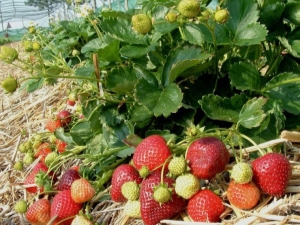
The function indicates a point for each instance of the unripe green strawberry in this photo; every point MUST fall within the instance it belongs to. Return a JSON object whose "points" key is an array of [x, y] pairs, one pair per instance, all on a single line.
{"points": [[28, 145], [36, 46], [28, 158], [241, 173], [187, 185], [9, 84], [144, 171], [221, 16], [31, 30], [130, 190], [21, 206], [50, 158], [171, 16], [162, 193], [52, 139], [22, 148], [133, 209], [27, 45], [141, 23], [75, 52], [189, 8], [177, 165], [8, 54], [18, 166]]}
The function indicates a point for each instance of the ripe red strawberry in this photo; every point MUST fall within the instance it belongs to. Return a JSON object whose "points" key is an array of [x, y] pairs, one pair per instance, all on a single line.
{"points": [[82, 191], [152, 211], [205, 206], [243, 196], [64, 207], [61, 145], [39, 212], [43, 150], [70, 102], [52, 125], [207, 156], [271, 173], [67, 179], [122, 174], [30, 179], [151, 153], [65, 117]]}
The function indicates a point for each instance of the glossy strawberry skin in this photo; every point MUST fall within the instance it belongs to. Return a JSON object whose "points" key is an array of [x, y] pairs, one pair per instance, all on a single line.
{"points": [[67, 179], [243, 196], [205, 206], [207, 157], [122, 174], [152, 152], [30, 179], [65, 117], [60, 145], [63, 207], [151, 211], [82, 191], [43, 150], [271, 173], [39, 212], [52, 125]]}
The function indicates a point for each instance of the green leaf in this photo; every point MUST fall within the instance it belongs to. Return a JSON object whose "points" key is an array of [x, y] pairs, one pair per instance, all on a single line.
{"points": [[110, 53], [34, 84], [193, 34], [271, 14], [92, 45], [224, 109], [136, 51], [179, 60], [252, 114], [244, 76], [163, 26], [284, 89], [65, 137]]}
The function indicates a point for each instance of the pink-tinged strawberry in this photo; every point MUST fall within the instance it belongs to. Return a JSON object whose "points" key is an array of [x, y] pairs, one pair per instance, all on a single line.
{"points": [[271, 173], [60, 145], [63, 206], [151, 153], [39, 212], [243, 196], [30, 179], [207, 157], [43, 150], [82, 190], [122, 174], [153, 212], [51, 125], [70, 102], [205, 206], [67, 179], [65, 117]]}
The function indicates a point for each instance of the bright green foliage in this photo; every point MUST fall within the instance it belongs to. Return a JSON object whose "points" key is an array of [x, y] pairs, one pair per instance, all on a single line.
{"points": [[292, 12]]}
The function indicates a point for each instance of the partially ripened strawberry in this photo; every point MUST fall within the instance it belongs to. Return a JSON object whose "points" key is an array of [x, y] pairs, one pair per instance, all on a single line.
{"points": [[205, 206], [243, 196], [65, 117], [30, 179], [63, 206], [82, 190], [60, 145], [151, 153], [122, 174], [52, 124], [43, 150], [271, 173], [152, 211], [67, 179], [207, 157], [39, 212]]}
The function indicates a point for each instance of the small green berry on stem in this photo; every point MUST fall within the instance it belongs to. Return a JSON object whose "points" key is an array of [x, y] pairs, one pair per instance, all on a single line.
{"points": [[130, 190], [221, 16], [241, 173], [9, 84], [141, 23], [189, 8], [187, 185], [132, 209], [21, 206], [162, 193], [19, 166], [8, 54], [144, 171], [177, 165]]}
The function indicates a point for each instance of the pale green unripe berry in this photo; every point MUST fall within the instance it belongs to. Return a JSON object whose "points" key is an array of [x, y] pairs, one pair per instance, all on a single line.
{"points": [[28, 159], [162, 194], [133, 209], [177, 166], [21, 206], [187, 185], [241, 173], [130, 190]]}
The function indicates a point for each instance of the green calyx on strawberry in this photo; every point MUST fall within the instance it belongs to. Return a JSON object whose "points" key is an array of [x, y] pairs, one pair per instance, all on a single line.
{"points": [[9, 84], [241, 173], [271, 173], [21, 206], [130, 190], [132, 209], [189, 8], [177, 165], [221, 16], [187, 185], [162, 193], [141, 23], [8, 54], [207, 156]]}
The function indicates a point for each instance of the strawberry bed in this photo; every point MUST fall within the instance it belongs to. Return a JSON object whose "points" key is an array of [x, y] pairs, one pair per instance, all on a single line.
{"points": [[173, 112]]}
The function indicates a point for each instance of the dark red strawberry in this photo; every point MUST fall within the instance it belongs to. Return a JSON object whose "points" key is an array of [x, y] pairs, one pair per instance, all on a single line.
{"points": [[30, 179], [271, 173], [122, 174], [153, 212], [207, 156], [61, 145], [151, 153], [39, 212], [67, 179], [64, 207], [43, 150], [65, 117]]}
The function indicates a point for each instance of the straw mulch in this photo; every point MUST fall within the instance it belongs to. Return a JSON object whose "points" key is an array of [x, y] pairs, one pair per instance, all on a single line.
{"points": [[24, 114]]}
